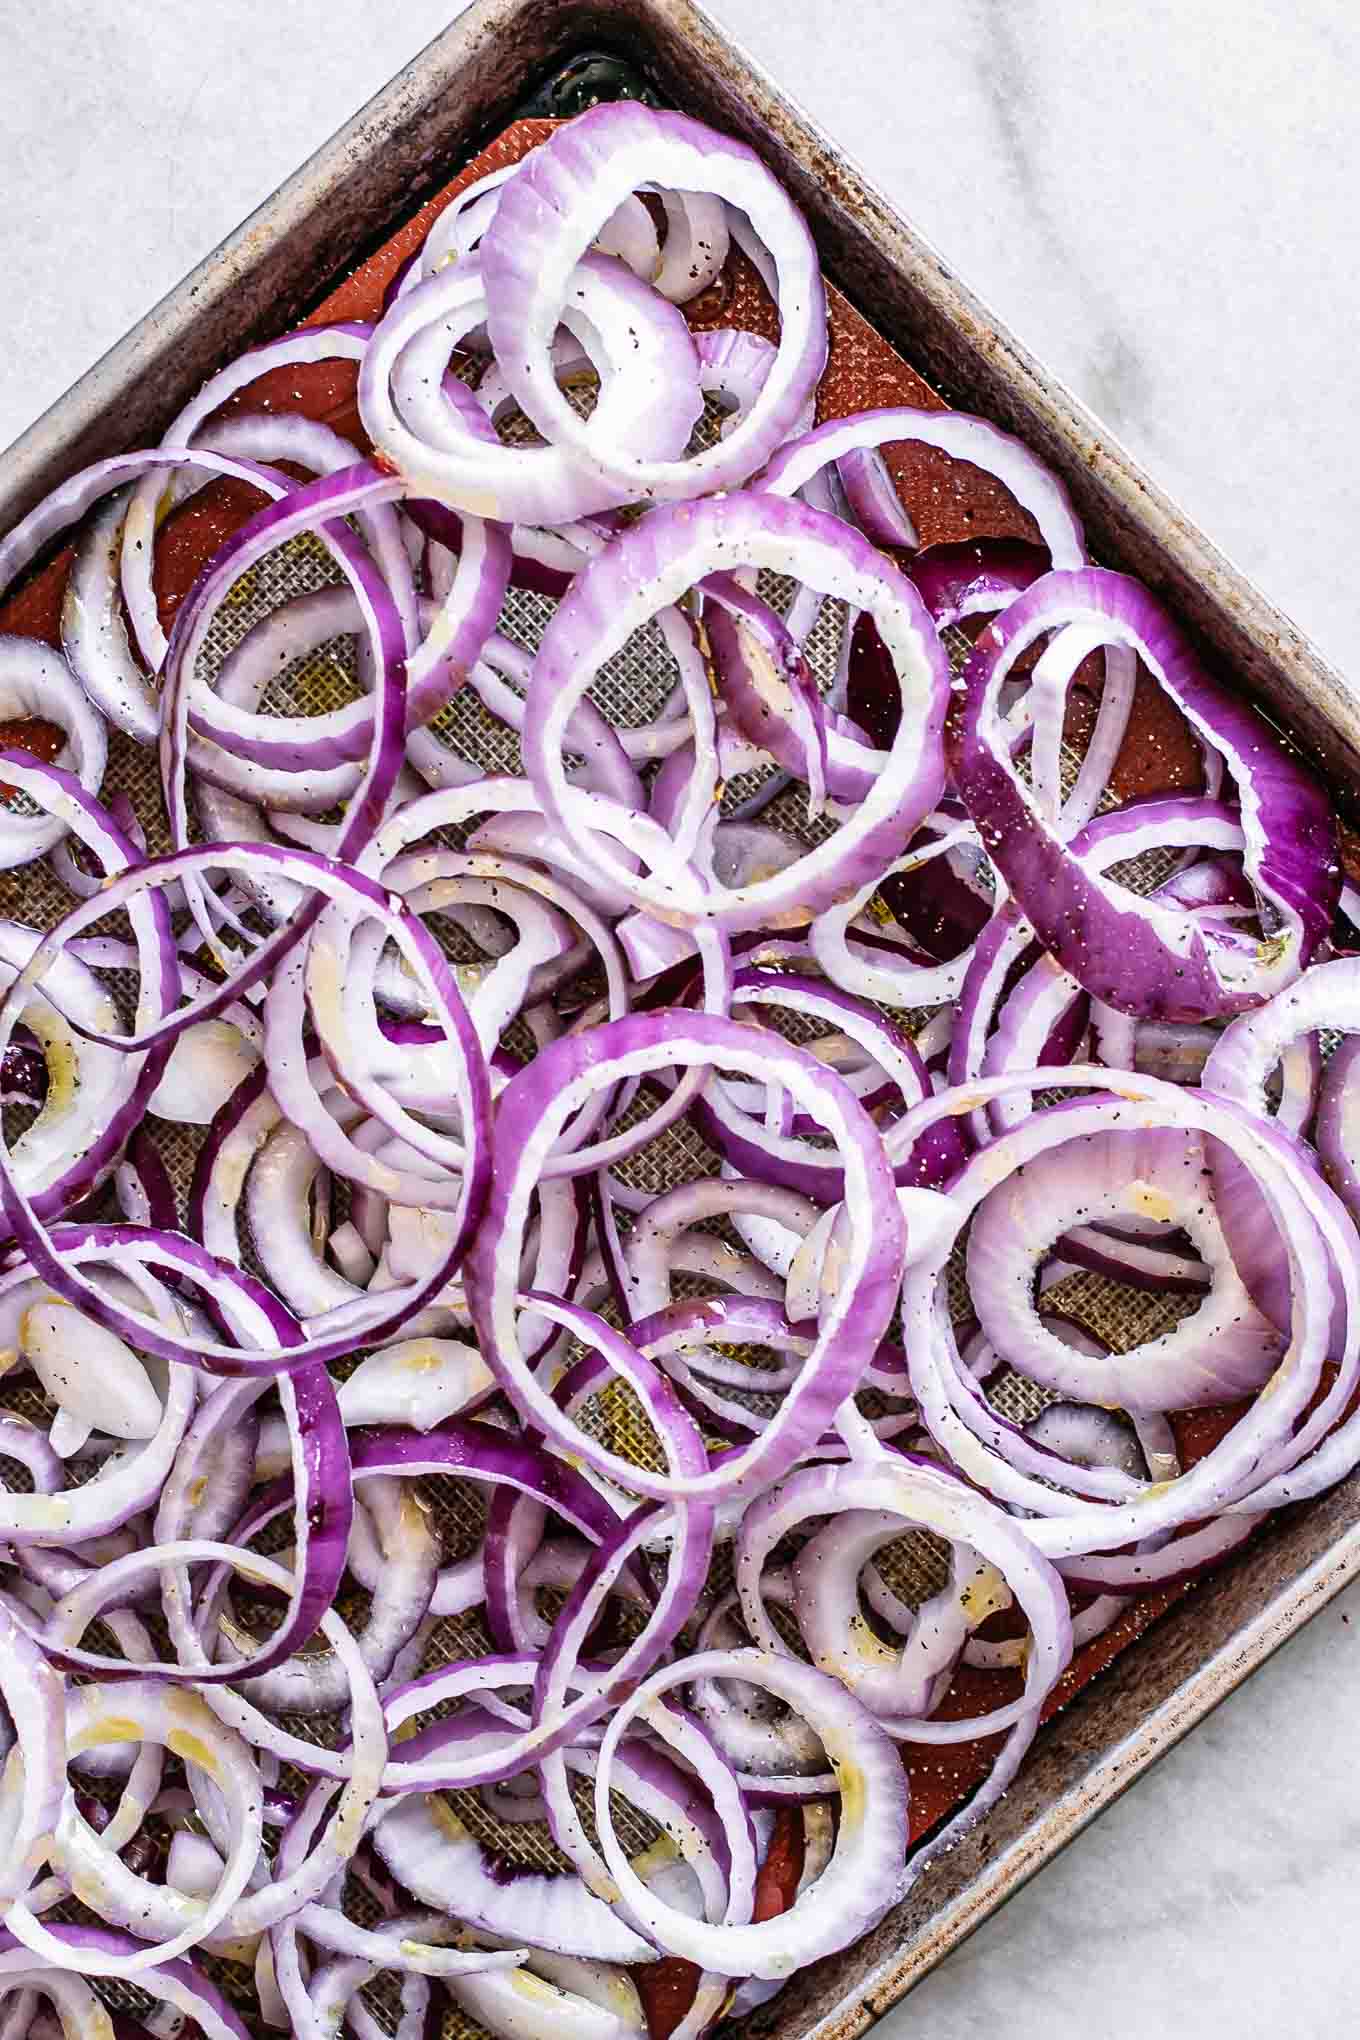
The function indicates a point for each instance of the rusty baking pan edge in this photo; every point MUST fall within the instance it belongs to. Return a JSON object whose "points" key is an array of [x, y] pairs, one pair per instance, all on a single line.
{"points": [[351, 192]]}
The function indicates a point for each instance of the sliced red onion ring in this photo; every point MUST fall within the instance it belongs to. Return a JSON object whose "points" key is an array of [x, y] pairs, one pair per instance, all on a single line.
{"points": [[1225, 1350], [270, 1903], [546, 220], [180, 1986], [433, 1855], [653, 564], [343, 341], [417, 1382], [863, 1876], [1313, 1234], [926, 1496], [1161, 1561], [1132, 953], [534, 2004], [92, 1091], [401, 1589], [645, 1266], [1282, 1035], [908, 1681], [1337, 1130], [33, 1790], [387, 1314], [144, 1711], [790, 1158], [532, 1110], [434, 431], [772, 696], [322, 1516], [873, 499], [971, 439], [36, 683], [122, 1489]]}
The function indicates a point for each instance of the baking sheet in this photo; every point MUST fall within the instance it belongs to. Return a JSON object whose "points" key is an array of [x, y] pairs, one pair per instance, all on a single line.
{"points": [[948, 501], [345, 196]]}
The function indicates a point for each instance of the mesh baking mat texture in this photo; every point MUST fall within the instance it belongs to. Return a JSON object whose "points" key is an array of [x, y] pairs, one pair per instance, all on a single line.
{"points": [[948, 501]]}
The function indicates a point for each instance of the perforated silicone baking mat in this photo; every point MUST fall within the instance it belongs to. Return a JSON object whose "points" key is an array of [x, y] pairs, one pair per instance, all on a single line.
{"points": [[948, 501]]}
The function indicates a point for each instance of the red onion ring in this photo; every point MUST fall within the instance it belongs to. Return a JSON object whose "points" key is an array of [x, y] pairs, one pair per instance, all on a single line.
{"points": [[545, 221]]}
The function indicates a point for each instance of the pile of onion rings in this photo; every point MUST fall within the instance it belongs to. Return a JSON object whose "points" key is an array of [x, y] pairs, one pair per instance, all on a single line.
{"points": [[432, 1026]]}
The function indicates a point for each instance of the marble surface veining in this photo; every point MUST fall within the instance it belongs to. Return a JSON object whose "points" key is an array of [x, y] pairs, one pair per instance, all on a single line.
{"points": [[1163, 200]]}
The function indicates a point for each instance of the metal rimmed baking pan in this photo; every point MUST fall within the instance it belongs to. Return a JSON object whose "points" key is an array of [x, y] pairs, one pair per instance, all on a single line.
{"points": [[466, 86]]}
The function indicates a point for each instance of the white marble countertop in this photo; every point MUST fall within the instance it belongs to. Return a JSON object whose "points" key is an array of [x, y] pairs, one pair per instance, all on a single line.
{"points": [[1163, 200]]}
